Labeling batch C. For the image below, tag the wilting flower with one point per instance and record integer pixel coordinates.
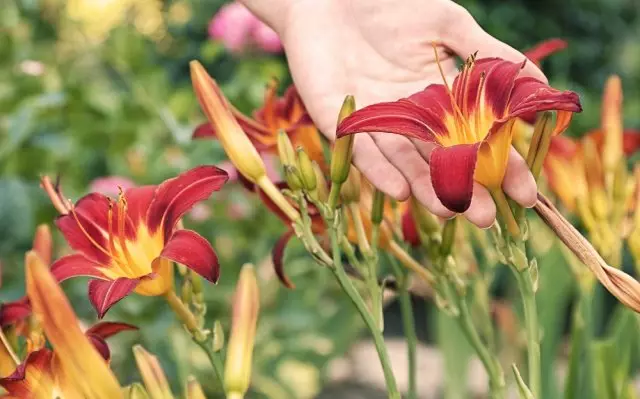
(76, 366)
(238, 29)
(287, 113)
(130, 244)
(471, 123)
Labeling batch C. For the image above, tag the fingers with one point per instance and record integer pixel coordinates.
(465, 37)
(482, 211)
(368, 158)
(518, 182)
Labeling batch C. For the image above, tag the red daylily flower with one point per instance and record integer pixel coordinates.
(130, 244)
(471, 123)
(287, 113)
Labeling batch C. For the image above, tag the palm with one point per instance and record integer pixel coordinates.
(382, 51)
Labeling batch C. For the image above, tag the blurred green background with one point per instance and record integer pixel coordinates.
(99, 88)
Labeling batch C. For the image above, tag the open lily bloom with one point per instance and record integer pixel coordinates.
(471, 123)
(77, 365)
(287, 113)
(130, 244)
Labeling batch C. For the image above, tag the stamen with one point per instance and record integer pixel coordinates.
(122, 214)
(479, 112)
(454, 105)
(112, 244)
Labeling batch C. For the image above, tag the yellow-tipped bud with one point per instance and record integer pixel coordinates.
(135, 391)
(343, 147)
(540, 141)
(350, 190)
(194, 390)
(244, 320)
(293, 178)
(307, 174)
(152, 374)
(612, 124)
(321, 193)
(285, 149)
(234, 140)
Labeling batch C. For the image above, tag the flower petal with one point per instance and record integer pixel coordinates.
(84, 237)
(32, 378)
(138, 201)
(204, 130)
(452, 170)
(79, 361)
(468, 85)
(94, 207)
(403, 117)
(103, 294)
(99, 332)
(544, 49)
(195, 252)
(176, 196)
(498, 85)
(75, 265)
(531, 95)
(277, 256)
(106, 329)
(11, 312)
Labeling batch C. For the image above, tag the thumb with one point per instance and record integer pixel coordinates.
(470, 37)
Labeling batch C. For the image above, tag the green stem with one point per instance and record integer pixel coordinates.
(408, 326)
(491, 365)
(185, 315)
(334, 195)
(214, 358)
(527, 292)
(348, 287)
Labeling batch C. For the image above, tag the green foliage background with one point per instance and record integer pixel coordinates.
(124, 106)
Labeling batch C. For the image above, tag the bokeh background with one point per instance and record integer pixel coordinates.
(98, 88)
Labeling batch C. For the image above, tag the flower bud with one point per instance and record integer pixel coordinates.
(448, 237)
(217, 336)
(343, 147)
(43, 243)
(427, 221)
(244, 320)
(234, 140)
(152, 374)
(293, 178)
(136, 391)
(377, 207)
(307, 174)
(612, 125)
(540, 142)
(350, 190)
(285, 149)
(321, 193)
(194, 390)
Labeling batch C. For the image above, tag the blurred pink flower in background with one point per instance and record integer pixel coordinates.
(111, 185)
(238, 29)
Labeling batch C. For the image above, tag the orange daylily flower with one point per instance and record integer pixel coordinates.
(75, 368)
(287, 113)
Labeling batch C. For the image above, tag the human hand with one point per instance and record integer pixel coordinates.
(381, 51)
